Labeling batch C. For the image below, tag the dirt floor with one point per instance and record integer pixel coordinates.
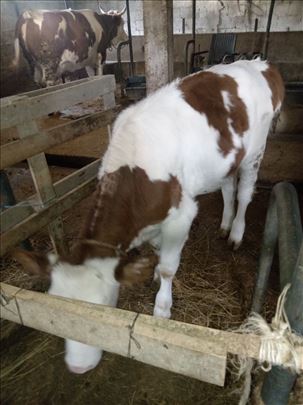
(213, 287)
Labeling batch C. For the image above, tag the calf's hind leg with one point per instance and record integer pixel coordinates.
(174, 233)
(228, 189)
(248, 177)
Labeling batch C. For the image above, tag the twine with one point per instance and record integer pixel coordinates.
(279, 344)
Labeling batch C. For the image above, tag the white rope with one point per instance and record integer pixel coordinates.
(279, 345)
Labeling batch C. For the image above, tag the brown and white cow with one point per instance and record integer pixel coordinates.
(196, 135)
(56, 43)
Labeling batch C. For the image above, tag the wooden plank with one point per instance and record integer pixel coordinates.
(16, 151)
(16, 110)
(163, 343)
(19, 212)
(44, 187)
(38, 220)
(109, 102)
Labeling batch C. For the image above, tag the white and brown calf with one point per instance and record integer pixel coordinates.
(196, 135)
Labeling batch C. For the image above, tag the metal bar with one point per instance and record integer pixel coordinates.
(283, 219)
(194, 23)
(270, 238)
(290, 230)
(183, 25)
(188, 43)
(266, 43)
(283, 224)
(119, 60)
(279, 382)
(131, 54)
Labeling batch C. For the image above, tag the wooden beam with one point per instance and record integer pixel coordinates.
(191, 350)
(38, 220)
(109, 102)
(19, 212)
(16, 151)
(44, 186)
(16, 110)
(158, 43)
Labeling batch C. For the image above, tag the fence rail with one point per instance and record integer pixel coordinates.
(51, 200)
(191, 350)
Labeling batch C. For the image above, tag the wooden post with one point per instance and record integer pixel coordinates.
(109, 102)
(158, 35)
(44, 187)
(21, 111)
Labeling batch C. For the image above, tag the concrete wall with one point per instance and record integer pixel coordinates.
(214, 15)
(285, 50)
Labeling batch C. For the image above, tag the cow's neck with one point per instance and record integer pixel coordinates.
(126, 202)
(110, 29)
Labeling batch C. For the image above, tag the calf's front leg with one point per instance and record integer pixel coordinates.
(174, 233)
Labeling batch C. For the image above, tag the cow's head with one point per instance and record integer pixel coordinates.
(117, 25)
(96, 280)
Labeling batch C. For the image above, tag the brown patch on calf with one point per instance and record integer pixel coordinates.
(33, 263)
(275, 83)
(133, 269)
(203, 92)
(238, 159)
(126, 201)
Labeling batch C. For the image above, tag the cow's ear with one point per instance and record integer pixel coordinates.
(34, 263)
(136, 271)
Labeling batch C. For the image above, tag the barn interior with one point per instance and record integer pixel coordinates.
(214, 286)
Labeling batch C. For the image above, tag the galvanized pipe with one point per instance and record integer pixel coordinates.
(283, 219)
(194, 5)
(266, 42)
(130, 39)
(282, 224)
(269, 242)
(279, 382)
(290, 229)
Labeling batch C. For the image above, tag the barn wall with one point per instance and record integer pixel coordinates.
(214, 15)
(285, 50)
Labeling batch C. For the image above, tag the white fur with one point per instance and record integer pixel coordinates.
(61, 28)
(68, 62)
(166, 137)
(94, 282)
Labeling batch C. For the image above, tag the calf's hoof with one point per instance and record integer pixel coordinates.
(162, 312)
(234, 244)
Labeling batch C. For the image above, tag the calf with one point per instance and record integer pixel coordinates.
(193, 136)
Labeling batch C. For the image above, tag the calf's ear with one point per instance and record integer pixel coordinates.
(136, 271)
(33, 263)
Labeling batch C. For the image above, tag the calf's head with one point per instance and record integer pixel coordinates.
(96, 280)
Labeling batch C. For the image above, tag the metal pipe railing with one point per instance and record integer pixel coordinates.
(130, 39)
(282, 227)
